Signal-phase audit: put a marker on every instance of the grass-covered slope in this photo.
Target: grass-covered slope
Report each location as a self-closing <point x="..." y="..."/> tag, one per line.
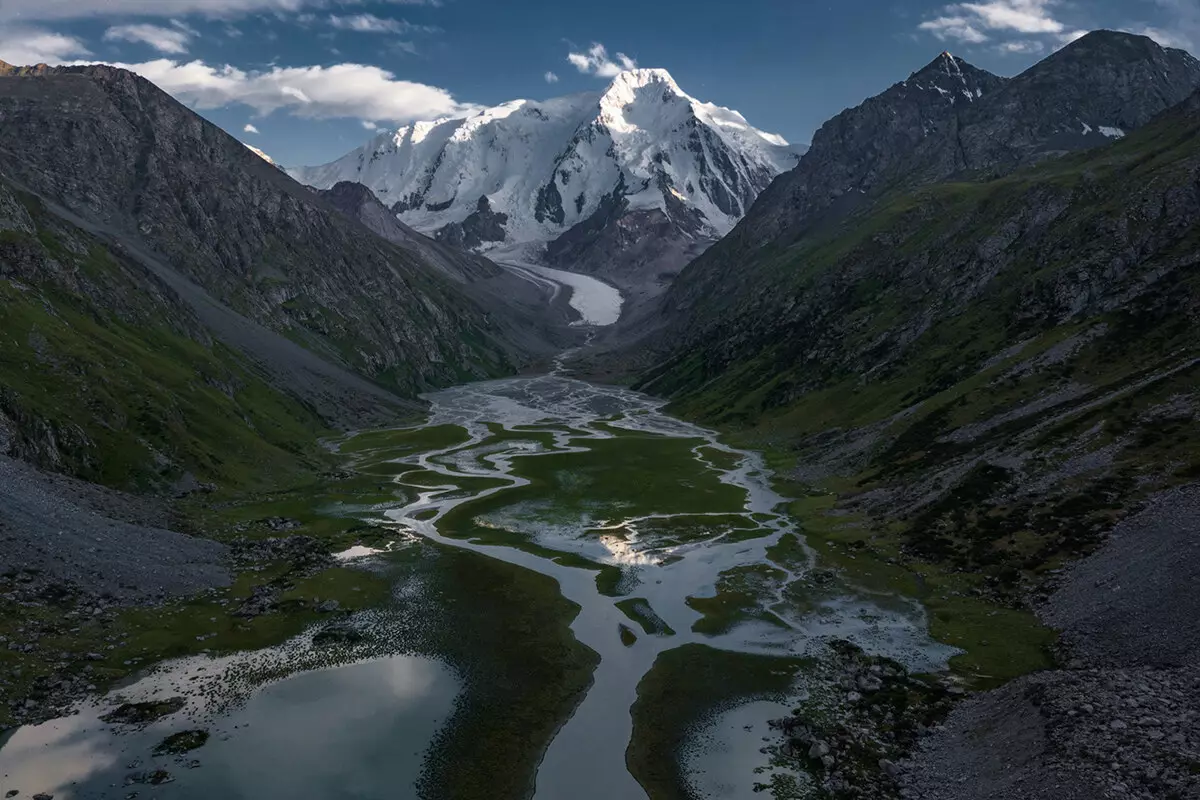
<point x="988" y="372"/>
<point x="105" y="375"/>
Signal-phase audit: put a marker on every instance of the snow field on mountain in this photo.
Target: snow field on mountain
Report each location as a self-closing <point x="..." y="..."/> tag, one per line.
<point x="549" y="165"/>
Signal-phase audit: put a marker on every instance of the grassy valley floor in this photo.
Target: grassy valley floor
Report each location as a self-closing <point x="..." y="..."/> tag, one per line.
<point x="506" y="629"/>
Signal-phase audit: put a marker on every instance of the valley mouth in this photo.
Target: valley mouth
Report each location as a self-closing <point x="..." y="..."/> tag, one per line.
<point x="604" y="446"/>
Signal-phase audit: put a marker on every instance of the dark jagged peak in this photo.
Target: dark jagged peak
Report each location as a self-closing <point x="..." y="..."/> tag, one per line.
<point x="482" y="225"/>
<point x="1097" y="88"/>
<point x="876" y="143"/>
<point x="945" y="64"/>
<point x="1094" y="90"/>
<point x="359" y="203"/>
<point x="913" y="108"/>
<point x="1102" y="54"/>
<point x="348" y="194"/>
<point x="952" y="78"/>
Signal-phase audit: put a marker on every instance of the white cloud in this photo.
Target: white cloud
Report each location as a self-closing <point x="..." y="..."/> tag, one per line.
<point x="1015" y="24"/>
<point x="172" y="40"/>
<point x="1022" y="16"/>
<point x="1022" y="46"/>
<point x="369" y="23"/>
<point x="77" y="9"/>
<point x="250" y="129"/>
<point x="974" y="23"/>
<point x="27" y="46"/>
<point x="343" y="90"/>
<point x="550" y="77"/>
<point x="596" y="62"/>
<point x="957" y="28"/>
<point x="369" y="125"/>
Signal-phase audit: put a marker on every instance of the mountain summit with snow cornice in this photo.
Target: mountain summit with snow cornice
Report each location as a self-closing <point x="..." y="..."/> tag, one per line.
<point x="630" y="182"/>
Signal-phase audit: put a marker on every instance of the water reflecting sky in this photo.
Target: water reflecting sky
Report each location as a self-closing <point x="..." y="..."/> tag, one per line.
<point x="358" y="731"/>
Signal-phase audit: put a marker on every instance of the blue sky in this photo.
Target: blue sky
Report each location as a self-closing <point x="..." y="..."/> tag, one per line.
<point x="311" y="76"/>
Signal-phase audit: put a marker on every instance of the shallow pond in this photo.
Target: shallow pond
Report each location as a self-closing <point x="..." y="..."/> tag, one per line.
<point x="724" y="758"/>
<point x="359" y="730"/>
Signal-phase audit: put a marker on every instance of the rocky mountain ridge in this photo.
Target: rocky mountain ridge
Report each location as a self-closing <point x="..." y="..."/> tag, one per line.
<point x="951" y="119"/>
<point x="183" y="331"/>
<point x="526" y="321"/>
<point x="133" y="164"/>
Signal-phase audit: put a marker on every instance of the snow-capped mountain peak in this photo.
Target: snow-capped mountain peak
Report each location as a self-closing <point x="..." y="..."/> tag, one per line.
<point x="627" y="87"/>
<point x="531" y="172"/>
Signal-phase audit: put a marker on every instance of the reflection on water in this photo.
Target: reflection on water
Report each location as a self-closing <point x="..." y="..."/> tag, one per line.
<point x="358" y="731"/>
<point x="724" y="759"/>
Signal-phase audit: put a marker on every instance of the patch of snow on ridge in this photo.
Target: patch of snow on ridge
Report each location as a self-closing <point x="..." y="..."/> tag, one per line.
<point x="260" y="154"/>
<point x="1112" y="133"/>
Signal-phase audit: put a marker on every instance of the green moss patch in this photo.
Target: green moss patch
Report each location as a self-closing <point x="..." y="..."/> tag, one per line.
<point x="630" y="476"/>
<point x="405" y="441"/>
<point x="135" y="406"/>
<point x="739" y="598"/>
<point x="638" y="610"/>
